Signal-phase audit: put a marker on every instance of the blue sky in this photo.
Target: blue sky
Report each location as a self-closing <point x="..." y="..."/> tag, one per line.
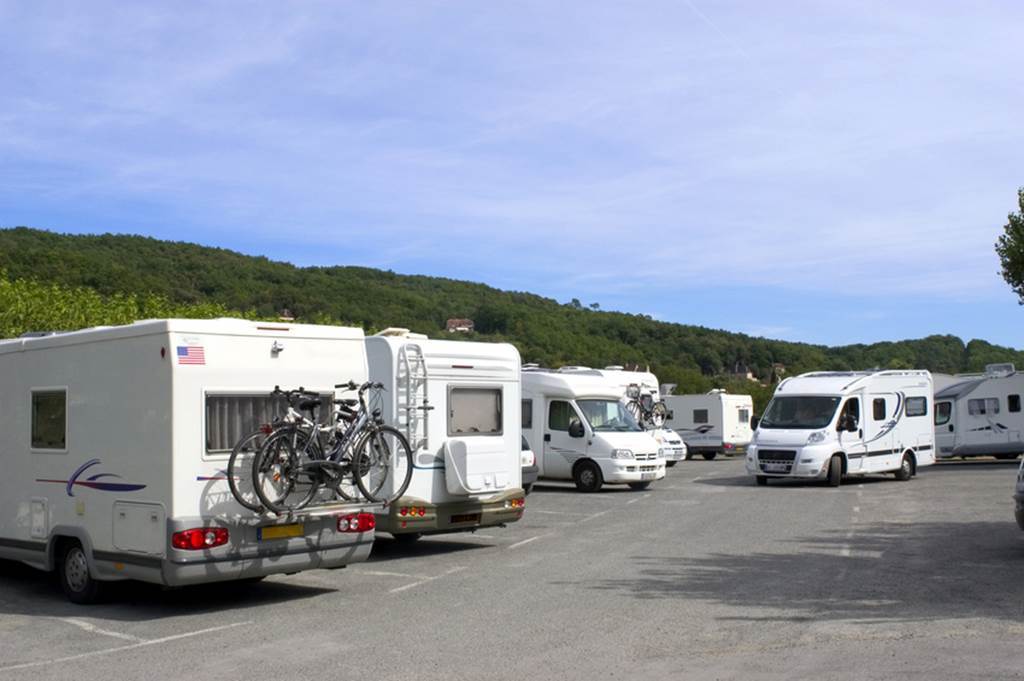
<point x="830" y="172"/>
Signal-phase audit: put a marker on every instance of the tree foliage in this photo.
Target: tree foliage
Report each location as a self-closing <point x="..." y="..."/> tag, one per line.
<point x="1010" y="248"/>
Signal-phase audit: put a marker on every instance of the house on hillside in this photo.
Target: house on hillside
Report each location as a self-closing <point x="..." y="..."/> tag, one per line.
<point x="742" y="371"/>
<point x="460" y="325"/>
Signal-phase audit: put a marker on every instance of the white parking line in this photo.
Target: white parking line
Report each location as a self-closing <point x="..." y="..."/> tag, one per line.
<point x="381" y="573"/>
<point x="110" y="651"/>
<point x="596" y="515"/>
<point x="527" y="541"/>
<point x="93" y="629"/>
<point x="557" y="512"/>
<point x="425" y="581"/>
<point x="633" y="501"/>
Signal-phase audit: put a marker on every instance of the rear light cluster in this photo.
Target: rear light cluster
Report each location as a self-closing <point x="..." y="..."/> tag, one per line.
<point x="356" y="522"/>
<point x="515" y="503"/>
<point x="199" y="538"/>
<point x="412" y="511"/>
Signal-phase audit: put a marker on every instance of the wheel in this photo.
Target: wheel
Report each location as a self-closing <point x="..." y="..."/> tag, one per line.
<point x="239" y="470"/>
<point x="407" y="538"/>
<point x="835" y="471"/>
<point x="669" y="464"/>
<point x="527" y="488"/>
<point x="587" y="476"/>
<point x="709" y="456"/>
<point x="635" y="410"/>
<point x="73" y="572"/>
<point x="906" y="469"/>
<point x="640" y="485"/>
<point x="382" y="466"/>
<point x="281" y="480"/>
<point x="762" y="480"/>
<point x="659" y="414"/>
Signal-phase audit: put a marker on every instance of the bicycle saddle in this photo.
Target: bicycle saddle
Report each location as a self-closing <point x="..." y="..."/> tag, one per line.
<point x="309" y="405"/>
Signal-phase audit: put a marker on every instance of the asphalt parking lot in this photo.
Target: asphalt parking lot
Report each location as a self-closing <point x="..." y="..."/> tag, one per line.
<point x="703" y="576"/>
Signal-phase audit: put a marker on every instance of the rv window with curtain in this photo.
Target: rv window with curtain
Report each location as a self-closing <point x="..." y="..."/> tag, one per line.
<point x="983" y="407"/>
<point x="49" y="419"/>
<point x="560" y="413"/>
<point x="229" y="418"/>
<point x="474" y="411"/>
<point x="917" y="406"/>
<point x="1013" y="403"/>
<point x="878" y="408"/>
<point x="943" y="411"/>
<point x="700" y="415"/>
<point x="528" y="414"/>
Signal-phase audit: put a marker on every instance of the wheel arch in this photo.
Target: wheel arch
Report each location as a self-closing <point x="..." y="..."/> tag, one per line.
<point x="842" y="455"/>
<point x="63" y="535"/>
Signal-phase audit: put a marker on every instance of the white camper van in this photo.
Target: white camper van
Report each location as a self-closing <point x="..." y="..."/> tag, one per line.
<point x="713" y="423"/>
<point x="115" y="440"/>
<point x="580" y="430"/>
<point x="980" y="414"/>
<point x="831" y="424"/>
<point x="458" y="405"/>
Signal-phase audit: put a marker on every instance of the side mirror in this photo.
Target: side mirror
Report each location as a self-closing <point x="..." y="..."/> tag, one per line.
<point x="576" y="429"/>
<point x="670" y="415"/>
<point x="754" y="421"/>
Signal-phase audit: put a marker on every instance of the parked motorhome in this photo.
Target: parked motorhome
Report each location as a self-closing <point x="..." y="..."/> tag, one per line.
<point x="457" y="403"/>
<point x="980" y="414"/>
<point x="714" y="423"/>
<point x="115" y="442"/>
<point x="827" y="425"/>
<point x="580" y="430"/>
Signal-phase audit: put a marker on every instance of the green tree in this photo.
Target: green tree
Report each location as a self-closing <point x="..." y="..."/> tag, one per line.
<point x="1010" y="247"/>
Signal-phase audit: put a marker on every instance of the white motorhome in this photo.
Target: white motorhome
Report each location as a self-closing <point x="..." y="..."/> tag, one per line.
<point x="580" y="430"/>
<point x="714" y="423"/>
<point x="115" y="442"/>
<point x="980" y="414"/>
<point x="457" y="403"/>
<point x="827" y="425"/>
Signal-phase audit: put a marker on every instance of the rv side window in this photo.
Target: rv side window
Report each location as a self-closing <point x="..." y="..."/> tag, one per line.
<point x="474" y="411"/>
<point x="878" y="408"/>
<point x="1013" y="403"/>
<point x="943" y="410"/>
<point x="983" y="407"/>
<point x="528" y="414"/>
<point x="700" y="415"/>
<point x="229" y="418"/>
<point x="917" y="406"/>
<point x="49" y="419"/>
<point x="744" y="416"/>
<point x="560" y="413"/>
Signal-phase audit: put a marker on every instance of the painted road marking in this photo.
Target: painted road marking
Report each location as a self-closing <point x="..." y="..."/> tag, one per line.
<point x="425" y="581"/>
<point x="93" y="629"/>
<point x="527" y="541"/>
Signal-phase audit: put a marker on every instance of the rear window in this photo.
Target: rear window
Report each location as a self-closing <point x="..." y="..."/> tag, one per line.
<point x="528" y="414"/>
<point x="474" y="411"/>
<point x="917" y="406"/>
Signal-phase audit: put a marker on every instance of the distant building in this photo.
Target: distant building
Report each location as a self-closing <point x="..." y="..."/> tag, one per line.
<point x="460" y="325"/>
<point x="285" y="315"/>
<point x="741" y="370"/>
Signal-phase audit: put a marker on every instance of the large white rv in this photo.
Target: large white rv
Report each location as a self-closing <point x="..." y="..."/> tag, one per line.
<point x="115" y="442"/>
<point x="980" y="414"/>
<point x="458" y="405"/>
<point x="580" y="430"/>
<point x="713" y="423"/>
<point x="827" y="425"/>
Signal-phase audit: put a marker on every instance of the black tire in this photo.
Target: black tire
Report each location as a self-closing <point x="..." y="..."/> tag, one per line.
<point x="906" y="469"/>
<point x="659" y="414"/>
<point x="278" y="476"/>
<point x="1006" y="457"/>
<point x="382" y="456"/>
<point x="587" y="476"/>
<point x="407" y="538"/>
<point x="640" y="485"/>
<point x="527" y="488"/>
<point x="239" y="470"/>
<point x="669" y="464"/>
<point x="762" y="480"/>
<point x="835" y="471"/>
<point x="709" y="456"/>
<point x="73" y="574"/>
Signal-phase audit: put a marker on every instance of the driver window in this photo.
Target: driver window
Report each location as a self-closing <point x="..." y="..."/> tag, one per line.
<point x="851" y="410"/>
<point x="560" y="414"/>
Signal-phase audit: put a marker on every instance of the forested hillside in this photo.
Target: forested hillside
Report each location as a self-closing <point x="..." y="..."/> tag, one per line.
<point x="140" y="276"/>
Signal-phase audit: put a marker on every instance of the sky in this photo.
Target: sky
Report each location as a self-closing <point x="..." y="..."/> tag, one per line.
<point x="831" y="172"/>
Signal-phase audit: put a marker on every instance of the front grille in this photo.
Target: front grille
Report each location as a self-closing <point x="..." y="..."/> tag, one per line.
<point x="646" y="457"/>
<point x="776" y="454"/>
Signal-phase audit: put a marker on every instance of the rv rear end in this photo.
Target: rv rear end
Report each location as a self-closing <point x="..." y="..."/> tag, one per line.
<point x="118" y="438"/>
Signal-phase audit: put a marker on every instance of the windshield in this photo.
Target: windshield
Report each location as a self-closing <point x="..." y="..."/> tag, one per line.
<point x="607" y="415"/>
<point x="804" y="412"/>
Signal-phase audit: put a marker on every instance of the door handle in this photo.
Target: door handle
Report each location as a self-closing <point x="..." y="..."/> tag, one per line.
<point x="547" y="437"/>
<point x="860" y="433"/>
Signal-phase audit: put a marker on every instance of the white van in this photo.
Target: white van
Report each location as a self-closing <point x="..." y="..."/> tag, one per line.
<point x="713" y="423"/>
<point x="980" y="414"/>
<point x="832" y="424"/>
<point x="458" y="405"/>
<point x="580" y="430"/>
<point x="115" y="442"/>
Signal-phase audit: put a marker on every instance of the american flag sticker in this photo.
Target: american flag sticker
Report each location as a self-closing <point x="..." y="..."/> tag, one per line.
<point x="191" y="354"/>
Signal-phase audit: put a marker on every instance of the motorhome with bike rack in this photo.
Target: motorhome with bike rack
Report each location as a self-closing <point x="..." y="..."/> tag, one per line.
<point x="714" y="423"/>
<point x="578" y="426"/>
<point x="115" y="442"/>
<point x="827" y="425"/>
<point x="457" y="403"/>
<point x="980" y="414"/>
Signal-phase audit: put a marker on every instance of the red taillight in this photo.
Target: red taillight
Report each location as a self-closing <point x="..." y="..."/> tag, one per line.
<point x="422" y="511"/>
<point x="727" y="445"/>
<point x="357" y="522"/>
<point x="199" y="538"/>
<point x="403" y="511"/>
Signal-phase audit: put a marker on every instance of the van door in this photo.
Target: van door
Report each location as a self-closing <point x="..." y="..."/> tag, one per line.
<point x="852" y="441"/>
<point x="560" y="450"/>
<point x="879" y="424"/>
<point x="945" y="431"/>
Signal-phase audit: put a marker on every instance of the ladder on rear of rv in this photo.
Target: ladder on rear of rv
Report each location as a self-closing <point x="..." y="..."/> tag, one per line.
<point x="413" y="403"/>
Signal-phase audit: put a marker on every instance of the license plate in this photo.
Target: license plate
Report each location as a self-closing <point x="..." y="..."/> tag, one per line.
<point x="776" y="467"/>
<point x="466" y="518"/>
<point x="647" y="476"/>
<point x="280" y="531"/>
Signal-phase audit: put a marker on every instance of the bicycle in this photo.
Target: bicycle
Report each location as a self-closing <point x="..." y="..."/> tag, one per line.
<point x="649" y="414"/>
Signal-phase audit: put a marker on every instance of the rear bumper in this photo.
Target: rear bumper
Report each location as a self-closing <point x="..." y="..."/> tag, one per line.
<point x="452" y="516"/>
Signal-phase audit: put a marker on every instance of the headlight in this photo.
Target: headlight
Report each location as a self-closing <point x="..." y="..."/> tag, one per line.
<point x="622" y="454"/>
<point x="817" y="437"/>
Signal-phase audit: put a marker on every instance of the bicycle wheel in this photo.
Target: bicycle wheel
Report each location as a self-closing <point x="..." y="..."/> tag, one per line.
<point x="659" y="414"/>
<point x="239" y="470"/>
<point x="635" y="410"/>
<point x="281" y="472"/>
<point x="382" y="464"/>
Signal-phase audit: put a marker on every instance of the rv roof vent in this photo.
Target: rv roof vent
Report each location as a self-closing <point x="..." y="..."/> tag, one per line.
<point x="38" y="334"/>
<point x="613" y="367"/>
<point x="393" y="331"/>
<point x="1000" y="369"/>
